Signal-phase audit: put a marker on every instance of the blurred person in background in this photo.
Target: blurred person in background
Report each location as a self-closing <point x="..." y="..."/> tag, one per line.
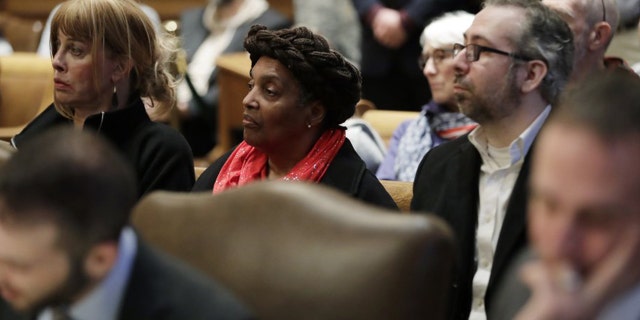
<point x="336" y="20"/>
<point x="593" y="23"/>
<point x="206" y="33"/>
<point x="390" y="46"/>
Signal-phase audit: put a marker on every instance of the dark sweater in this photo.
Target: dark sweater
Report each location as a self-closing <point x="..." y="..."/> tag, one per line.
<point x="160" y="156"/>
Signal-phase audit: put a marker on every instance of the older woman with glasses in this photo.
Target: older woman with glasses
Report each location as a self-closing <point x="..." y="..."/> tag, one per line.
<point x="439" y="120"/>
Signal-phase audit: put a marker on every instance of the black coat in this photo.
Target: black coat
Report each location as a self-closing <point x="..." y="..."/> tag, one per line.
<point x="447" y="184"/>
<point x="347" y="173"/>
<point x="160" y="156"/>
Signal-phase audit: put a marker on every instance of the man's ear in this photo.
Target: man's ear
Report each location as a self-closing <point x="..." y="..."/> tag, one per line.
<point x="600" y="36"/>
<point x="317" y="113"/>
<point x="100" y="259"/>
<point x="536" y="70"/>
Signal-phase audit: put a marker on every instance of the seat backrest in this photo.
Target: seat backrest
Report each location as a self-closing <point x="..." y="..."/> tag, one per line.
<point x="401" y="192"/>
<point x="22" y="33"/>
<point x="386" y="121"/>
<point x="199" y="170"/>
<point x="292" y="250"/>
<point x="26" y="87"/>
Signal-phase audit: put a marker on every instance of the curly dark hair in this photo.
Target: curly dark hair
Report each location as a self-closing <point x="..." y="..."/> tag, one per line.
<point x="323" y="73"/>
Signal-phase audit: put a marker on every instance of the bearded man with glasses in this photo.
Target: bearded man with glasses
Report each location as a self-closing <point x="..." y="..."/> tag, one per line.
<point x="516" y="59"/>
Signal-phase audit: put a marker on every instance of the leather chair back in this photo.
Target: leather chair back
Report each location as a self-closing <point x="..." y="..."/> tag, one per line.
<point x="401" y="192"/>
<point x="386" y="121"/>
<point x="304" y="251"/>
<point x="26" y="88"/>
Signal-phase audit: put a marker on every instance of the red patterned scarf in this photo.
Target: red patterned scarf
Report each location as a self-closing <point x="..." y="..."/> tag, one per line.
<point x="246" y="163"/>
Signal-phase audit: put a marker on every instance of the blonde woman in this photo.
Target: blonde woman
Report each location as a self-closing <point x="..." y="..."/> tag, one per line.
<point x="106" y="57"/>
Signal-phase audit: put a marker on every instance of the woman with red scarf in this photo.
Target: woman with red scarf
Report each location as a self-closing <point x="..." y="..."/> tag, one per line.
<point x="299" y="94"/>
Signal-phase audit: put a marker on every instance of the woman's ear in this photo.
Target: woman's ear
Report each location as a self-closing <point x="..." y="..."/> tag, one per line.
<point x="317" y="113"/>
<point x="121" y="70"/>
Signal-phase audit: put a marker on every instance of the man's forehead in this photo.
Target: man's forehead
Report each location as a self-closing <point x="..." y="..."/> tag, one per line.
<point x="27" y="239"/>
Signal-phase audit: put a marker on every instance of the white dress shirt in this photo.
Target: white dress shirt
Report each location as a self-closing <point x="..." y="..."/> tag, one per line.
<point x="498" y="174"/>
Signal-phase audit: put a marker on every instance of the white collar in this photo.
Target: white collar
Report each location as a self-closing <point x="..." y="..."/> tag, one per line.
<point x="103" y="302"/>
<point x="518" y="148"/>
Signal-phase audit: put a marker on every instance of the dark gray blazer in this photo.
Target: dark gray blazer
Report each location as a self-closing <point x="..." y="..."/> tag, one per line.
<point x="447" y="184"/>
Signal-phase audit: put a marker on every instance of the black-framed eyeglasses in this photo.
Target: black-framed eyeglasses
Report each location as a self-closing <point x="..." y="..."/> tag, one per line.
<point x="438" y="55"/>
<point x="604" y="11"/>
<point x="473" y="52"/>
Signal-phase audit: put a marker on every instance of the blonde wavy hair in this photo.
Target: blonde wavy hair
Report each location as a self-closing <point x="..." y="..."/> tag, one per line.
<point x="125" y="32"/>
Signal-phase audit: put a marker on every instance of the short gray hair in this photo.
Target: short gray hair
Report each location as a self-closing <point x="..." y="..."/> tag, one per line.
<point x="544" y="36"/>
<point x="446" y="29"/>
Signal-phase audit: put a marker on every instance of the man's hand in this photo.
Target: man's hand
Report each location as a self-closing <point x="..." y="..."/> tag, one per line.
<point x="559" y="293"/>
<point x="387" y="28"/>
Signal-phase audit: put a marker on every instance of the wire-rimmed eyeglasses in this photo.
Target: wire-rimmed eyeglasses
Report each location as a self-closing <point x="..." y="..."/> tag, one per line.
<point x="473" y="52"/>
<point x="438" y="55"/>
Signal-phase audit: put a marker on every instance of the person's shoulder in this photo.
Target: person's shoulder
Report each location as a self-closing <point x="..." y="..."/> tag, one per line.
<point x="47" y="119"/>
<point x="162" y="287"/>
<point x="206" y="180"/>
<point x="161" y="136"/>
<point x="451" y="148"/>
<point x="438" y="159"/>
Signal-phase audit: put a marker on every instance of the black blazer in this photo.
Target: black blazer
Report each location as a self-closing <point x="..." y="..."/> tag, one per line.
<point x="163" y="288"/>
<point x="447" y="184"/>
<point x="347" y="173"/>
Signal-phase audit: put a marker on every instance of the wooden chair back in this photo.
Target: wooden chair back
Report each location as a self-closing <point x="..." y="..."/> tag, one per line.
<point x="26" y="88"/>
